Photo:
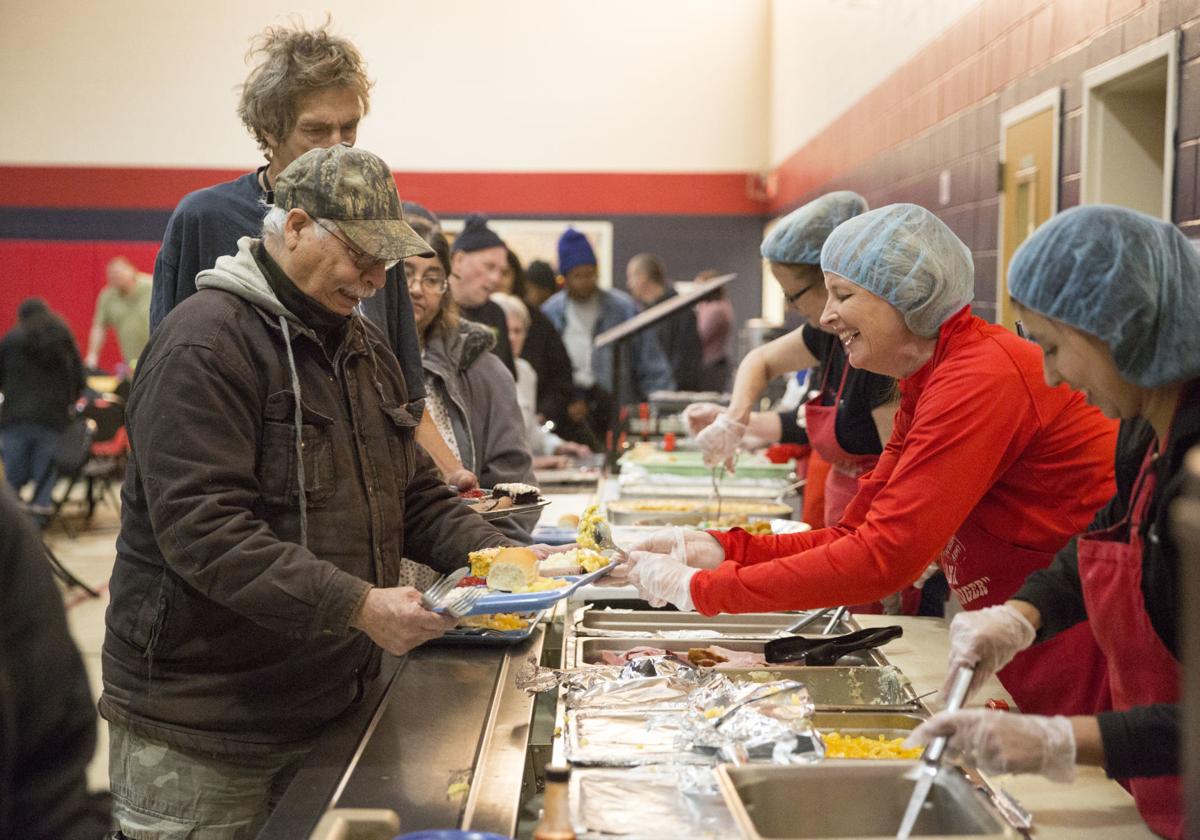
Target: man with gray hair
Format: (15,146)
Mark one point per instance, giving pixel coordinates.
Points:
(309,90)
(274,485)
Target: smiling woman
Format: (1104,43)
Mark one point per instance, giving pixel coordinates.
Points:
(988,470)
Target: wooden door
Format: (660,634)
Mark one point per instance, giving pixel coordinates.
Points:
(1029,182)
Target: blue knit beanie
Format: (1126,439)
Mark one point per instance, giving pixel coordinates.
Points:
(476,235)
(574,251)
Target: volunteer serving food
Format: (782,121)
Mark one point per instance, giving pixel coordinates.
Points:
(1113,298)
(988,470)
(847,422)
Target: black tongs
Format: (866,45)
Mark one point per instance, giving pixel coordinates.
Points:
(827,651)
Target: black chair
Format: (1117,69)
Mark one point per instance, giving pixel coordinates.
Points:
(74,451)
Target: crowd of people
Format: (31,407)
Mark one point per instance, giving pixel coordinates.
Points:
(319,368)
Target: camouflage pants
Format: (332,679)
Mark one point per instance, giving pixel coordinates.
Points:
(161,792)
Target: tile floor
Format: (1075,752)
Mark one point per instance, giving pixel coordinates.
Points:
(90,556)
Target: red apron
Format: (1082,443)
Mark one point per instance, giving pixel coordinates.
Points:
(842,483)
(1142,670)
(1066,675)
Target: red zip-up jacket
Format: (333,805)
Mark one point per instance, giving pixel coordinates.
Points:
(978,435)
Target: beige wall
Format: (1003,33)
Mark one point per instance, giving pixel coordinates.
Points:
(826,54)
(462,85)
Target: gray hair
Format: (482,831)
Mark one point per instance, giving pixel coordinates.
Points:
(272,224)
(513,307)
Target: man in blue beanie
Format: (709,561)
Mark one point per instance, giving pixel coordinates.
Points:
(476,263)
(580,312)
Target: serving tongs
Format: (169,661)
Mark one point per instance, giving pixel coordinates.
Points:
(931,759)
(827,651)
(814,617)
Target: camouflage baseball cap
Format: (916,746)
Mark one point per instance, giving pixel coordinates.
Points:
(354,189)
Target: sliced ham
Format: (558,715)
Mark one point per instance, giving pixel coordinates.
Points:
(620,657)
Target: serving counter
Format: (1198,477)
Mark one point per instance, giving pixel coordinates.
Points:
(444,738)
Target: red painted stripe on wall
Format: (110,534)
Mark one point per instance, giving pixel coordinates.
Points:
(452,193)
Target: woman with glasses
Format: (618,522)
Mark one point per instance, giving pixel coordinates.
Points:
(989,470)
(470,394)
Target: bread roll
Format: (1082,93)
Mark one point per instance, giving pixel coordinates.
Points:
(512,568)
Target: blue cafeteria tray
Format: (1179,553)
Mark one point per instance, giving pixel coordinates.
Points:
(521,602)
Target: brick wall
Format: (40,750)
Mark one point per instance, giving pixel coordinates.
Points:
(941,110)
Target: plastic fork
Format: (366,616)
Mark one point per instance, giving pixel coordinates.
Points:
(431,598)
(462,602)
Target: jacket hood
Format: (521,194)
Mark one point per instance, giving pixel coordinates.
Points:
(240,275)
(464,346)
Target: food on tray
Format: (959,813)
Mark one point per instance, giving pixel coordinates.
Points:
(758,526)
(504,622)
(586,538)
(485,505)
(568,520)
(707,657)
(473,493)
(838,745)
(512,568)
(521,494)
(481,561)
(572,562)
(516,570)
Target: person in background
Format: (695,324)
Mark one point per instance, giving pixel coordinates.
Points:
(512,276)
(47,717)
(265,512)
(1112,296)
(580,312)
(989,470)
(646,279)
(542,443)
(308,90)
(541,282)
(124,305)
(850,417)
(472,398)
(476,265)
(41,377)
(543,348)
(714,325)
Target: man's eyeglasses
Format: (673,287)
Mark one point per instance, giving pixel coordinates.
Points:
(431,281)
(791,299)
(362,260)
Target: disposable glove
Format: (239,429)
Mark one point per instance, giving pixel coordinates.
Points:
(698,549)
(699,415)
(1004,742)
(668,542)
(662,579)
(719,442)
(986,640)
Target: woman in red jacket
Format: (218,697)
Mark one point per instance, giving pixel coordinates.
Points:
(988,470)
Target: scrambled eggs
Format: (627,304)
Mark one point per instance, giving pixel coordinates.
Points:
(481,561)
(497,621)
(838,745)
(587,529)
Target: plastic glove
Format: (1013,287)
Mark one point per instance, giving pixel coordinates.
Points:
(669,542)
(700,550)
(662,579)
(700,415)
(1004,742)
(987,640)
(719,442)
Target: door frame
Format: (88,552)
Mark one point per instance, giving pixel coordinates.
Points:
(1050,99)
(1138,57)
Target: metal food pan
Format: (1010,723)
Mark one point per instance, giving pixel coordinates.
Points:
(588,651)
(839,688)
(869,724)
(650,622)
(860,799)
(691,511)
(625,738)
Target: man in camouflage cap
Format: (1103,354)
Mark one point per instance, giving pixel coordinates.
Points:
(274,484)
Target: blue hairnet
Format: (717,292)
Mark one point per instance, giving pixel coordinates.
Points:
(908,257)
(1126,278)
(798,236)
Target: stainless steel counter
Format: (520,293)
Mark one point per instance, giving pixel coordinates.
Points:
(442,716)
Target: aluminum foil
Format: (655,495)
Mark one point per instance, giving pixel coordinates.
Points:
(740,723)
(649,803)
(626,738)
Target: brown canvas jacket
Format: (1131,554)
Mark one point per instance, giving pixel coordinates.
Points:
(232,596)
